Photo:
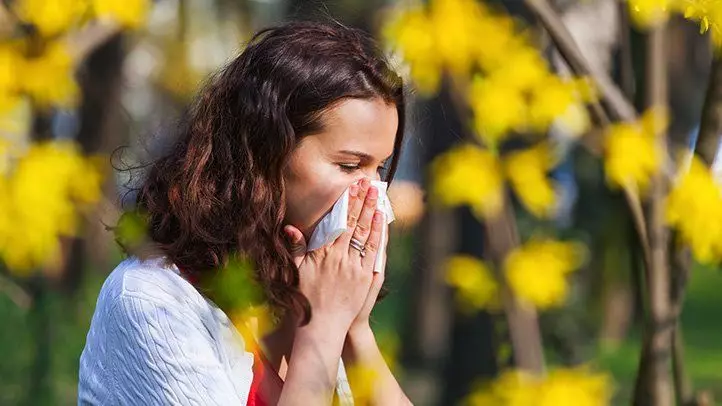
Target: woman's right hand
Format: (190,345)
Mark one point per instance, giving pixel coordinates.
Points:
(335,278)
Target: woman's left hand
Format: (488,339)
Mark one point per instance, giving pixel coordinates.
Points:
(361,323)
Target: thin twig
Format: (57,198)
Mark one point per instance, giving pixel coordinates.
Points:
(620,107)
(710,129)
(15,292)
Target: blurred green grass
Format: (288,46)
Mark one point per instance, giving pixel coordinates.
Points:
(702,329)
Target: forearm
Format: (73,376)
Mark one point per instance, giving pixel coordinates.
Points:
(313,367)
(361,351)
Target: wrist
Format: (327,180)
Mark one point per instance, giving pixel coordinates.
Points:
(360,343)
(322,331)
(360,333)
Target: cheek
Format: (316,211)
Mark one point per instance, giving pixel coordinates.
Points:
(311,193)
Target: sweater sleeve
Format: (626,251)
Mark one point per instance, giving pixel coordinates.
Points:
(164,356)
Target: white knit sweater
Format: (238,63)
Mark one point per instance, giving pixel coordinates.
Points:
(154,340)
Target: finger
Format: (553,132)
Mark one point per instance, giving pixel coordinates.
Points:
(374,241)
(357,195)
(380,266)
(376,283)
(363,228)
(297,243)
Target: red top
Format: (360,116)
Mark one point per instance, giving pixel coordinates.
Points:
(254,398)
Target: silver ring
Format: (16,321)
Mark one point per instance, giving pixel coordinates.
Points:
(356,244)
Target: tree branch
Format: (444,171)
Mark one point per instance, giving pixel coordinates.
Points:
(655,369)
(620,107)
(526,340)
(710,129)
(92,36)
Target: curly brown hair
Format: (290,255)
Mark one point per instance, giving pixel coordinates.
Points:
(220,189)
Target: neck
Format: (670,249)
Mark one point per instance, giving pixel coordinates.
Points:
(278,345)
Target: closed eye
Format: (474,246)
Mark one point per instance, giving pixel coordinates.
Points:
(350,168)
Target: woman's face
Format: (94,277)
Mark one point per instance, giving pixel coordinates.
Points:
(356,141)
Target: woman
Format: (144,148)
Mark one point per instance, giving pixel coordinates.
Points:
(305,112)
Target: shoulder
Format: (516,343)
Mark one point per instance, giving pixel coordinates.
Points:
(141,294)
(153,280)
(161,340)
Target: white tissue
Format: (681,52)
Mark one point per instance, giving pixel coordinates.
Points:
(334,223)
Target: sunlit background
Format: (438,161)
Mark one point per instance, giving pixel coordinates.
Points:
(559,217)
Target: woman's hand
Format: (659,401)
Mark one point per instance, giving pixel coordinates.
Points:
(362,321)
(335,278)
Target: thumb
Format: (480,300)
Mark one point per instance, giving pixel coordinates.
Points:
(297,242)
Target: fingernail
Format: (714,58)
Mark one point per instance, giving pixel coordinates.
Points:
(378,216)
(353,190)
(288,233)
(365,183)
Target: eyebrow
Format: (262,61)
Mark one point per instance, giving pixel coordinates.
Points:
(361,155)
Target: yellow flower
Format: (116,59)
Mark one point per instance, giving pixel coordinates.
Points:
(453,23)
(364,381)
(43,196)
(51,17)
(511,388)
(498,108)
(575,387)
(48,79)
(129,13)
(551,99)
(524,69)
(632,155)
(527,172)
(708,13)
(476,287)
(256,320)
(694,208)
(648,13)
(537,271)
(412,34)
(468,175)
(561,387)
(500,41)
(8,78)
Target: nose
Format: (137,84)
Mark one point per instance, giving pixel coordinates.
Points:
(373,175)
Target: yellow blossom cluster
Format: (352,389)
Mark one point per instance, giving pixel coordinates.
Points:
(474,176)
(42,197)
(41,66)
(536,274)
(694,208)
(578,386)
(512,89)
(468,175)
(632,155)
(527,172)
(708,13)
(475,285)
(537,271)
(53,17)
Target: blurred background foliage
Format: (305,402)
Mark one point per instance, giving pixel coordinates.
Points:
(110,73)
